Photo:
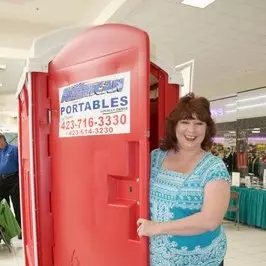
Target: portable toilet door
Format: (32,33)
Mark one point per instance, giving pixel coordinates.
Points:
(99,91)
(91,146)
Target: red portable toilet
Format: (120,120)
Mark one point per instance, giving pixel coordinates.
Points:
(85,118)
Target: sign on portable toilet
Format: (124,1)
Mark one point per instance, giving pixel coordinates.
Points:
(87,124)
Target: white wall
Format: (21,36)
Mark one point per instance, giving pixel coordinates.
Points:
(245,105)
(224,110)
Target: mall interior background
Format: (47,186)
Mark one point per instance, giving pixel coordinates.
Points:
(223,45)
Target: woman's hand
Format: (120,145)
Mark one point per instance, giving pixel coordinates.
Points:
(147,228)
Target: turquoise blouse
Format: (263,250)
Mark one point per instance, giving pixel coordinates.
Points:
(174,196)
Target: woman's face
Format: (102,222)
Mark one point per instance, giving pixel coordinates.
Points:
(190,133)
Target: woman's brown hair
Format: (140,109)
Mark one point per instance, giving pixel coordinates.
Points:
(189,107)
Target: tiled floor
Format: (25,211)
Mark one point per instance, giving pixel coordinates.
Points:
(246,247)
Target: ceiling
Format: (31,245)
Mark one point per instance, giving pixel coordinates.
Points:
(23,20)
(227,39)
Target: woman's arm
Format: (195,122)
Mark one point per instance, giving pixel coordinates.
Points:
(215,204)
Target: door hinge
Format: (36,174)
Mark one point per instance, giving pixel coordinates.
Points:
(48,119)
(148,134)
(49,116)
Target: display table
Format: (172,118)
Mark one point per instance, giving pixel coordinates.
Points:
(252,207)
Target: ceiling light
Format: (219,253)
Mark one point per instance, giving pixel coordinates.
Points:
(231,111)
(1,84)
(197,3)
(246,107)
(257,128)
(230,104)
(251,106)
(255,131)
(252,98)
(9,113)
(2,67)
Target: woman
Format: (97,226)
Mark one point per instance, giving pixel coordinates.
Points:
(189,191)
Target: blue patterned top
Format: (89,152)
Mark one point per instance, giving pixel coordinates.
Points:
(174,196)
